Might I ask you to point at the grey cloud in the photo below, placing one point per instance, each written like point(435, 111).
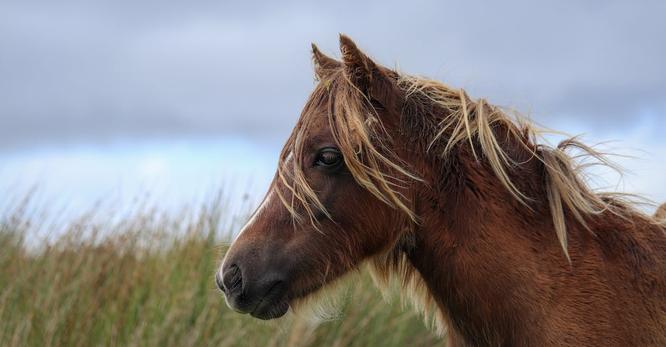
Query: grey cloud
point(90, 70)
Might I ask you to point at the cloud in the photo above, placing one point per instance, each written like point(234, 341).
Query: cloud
point(90, 71)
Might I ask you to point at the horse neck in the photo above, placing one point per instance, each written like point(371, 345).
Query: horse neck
point(475, 246)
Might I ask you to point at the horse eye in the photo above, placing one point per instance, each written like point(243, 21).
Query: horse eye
point(328, 157)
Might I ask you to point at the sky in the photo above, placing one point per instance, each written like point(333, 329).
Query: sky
point(118, 98)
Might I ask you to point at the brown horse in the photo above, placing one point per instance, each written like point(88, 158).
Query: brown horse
point(496, 235)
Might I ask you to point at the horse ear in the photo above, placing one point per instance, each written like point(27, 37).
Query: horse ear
point(373, 80)
point(323, 64)
point(358, 67)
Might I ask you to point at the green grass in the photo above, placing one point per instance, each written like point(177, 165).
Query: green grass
point(147, 280)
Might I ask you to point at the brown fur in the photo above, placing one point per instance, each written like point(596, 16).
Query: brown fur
point(463, 209)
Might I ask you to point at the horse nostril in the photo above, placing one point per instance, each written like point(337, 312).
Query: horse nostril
point(232, 279)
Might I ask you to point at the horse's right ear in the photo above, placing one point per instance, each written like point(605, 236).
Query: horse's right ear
point(323, 65)
point(373, 80)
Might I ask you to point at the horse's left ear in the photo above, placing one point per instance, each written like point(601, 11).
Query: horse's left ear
point(370, 78)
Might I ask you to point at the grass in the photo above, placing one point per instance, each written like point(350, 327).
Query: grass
point(147, 280)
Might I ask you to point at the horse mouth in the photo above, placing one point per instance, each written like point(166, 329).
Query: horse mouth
point(270, 311)
point(272, 305)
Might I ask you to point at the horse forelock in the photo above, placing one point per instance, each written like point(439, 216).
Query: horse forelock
point(360, 137)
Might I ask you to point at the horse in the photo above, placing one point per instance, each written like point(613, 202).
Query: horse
point(497, 236)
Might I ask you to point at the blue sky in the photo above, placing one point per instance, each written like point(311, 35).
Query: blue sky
point(118, 98)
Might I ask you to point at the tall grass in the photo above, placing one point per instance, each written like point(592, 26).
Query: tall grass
point(147, 280)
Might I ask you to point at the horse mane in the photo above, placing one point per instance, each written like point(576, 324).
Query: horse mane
point(365, 145)
point(474, 122)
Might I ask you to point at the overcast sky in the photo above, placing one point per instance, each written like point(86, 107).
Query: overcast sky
point(90, 73)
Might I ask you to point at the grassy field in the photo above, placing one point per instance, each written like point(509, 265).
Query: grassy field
point(147, 280)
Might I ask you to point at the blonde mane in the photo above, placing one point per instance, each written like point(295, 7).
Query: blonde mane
point(366, 147)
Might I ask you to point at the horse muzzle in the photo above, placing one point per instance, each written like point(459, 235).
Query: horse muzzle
point(263, 297)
